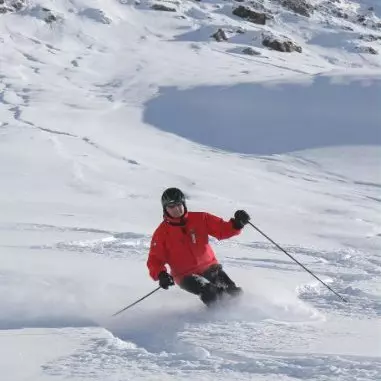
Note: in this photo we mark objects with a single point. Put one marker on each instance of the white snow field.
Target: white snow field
(104, 104)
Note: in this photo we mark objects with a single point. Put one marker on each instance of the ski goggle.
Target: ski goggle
(173, 204)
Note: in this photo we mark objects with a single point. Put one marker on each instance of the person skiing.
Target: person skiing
(181, 242)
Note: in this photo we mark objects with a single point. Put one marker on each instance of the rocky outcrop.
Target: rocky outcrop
(370, 37)
(220, 35)
(369, 21)
(251, 52)
(48, 16)
(250, 15)
(301, 7)
(364, 17)
(161, 7)
(36, 11)
(12, 5)
(367, 50)
(285, 45)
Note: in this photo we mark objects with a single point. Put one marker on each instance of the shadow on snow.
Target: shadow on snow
(263, 119)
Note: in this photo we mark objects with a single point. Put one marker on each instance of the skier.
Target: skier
(181, 241)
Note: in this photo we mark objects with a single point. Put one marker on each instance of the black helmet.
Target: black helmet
(172, 195)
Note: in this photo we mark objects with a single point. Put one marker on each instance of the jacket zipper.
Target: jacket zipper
(191, 241)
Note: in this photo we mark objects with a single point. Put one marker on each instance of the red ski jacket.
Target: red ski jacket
(185, 247)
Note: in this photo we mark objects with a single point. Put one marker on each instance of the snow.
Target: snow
(279, 122)
(113, 102)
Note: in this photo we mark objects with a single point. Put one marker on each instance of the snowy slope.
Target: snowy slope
(105, 104)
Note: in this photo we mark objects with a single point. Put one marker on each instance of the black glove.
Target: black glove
(165, 280)
(241, 218)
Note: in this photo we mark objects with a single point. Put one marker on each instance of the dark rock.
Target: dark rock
(370, 37)
(342, 15)
(286, 46)
(18, 5)
(369, 50)
(161, 7)
(250, 15)
(50, 18)
(301, 7)
(251, 52)
(361, 19)
(219, 36)
(12, 6)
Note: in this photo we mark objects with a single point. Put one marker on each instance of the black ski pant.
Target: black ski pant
(209, 285)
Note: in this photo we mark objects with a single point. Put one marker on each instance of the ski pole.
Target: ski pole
(136, 302)
(295, 260)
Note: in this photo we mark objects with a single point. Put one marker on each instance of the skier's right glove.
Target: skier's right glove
(241, 218)
(165, 280)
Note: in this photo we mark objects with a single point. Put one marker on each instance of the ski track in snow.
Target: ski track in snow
(109, 356)
(343, 269)
(246, 341)
(344, 264)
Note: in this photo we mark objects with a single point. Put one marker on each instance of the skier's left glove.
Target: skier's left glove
(165, 280)
(241, 218)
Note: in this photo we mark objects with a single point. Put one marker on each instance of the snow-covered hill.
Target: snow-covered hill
(104, 104)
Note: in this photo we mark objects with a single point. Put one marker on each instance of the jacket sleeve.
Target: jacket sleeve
(218, 228)
(157, 255)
